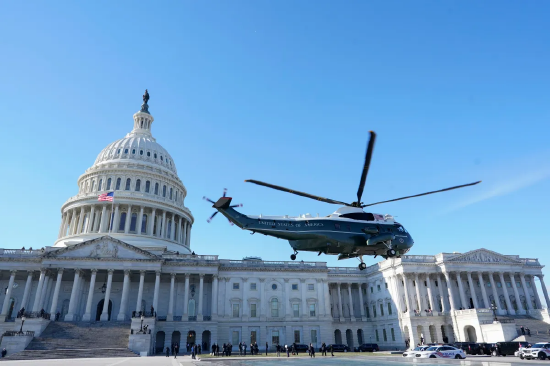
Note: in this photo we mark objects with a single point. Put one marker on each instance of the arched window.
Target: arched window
(122, 221)
(154, 225)
(138, 185)
(156, 188)
(176, 196)
(163, 191)
(99, 185)
(191, 307)
(133, 222)
(144, 224)
(93, 186)
(147, 186)
(171, 190)
(128, 182)
(274, 308)
(155, 155)
(108, 184)
(117, 184)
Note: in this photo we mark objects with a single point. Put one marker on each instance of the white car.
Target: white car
(413, 352)
(538, 350)
(442, 352)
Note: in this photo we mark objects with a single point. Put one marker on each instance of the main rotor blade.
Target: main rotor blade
(279, 188)
(424, 194)
(366, 166)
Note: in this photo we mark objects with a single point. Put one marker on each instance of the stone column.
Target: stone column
(327, 297)
(351, 312)
(495, 292)
(188, 236)
(88, 312)
(6, 304)
(544, 290)
(156, 292)
(53, 308)
(152, 223)
(397, 298)
(104, 219)
(215, 297)
(36, 304)
(184, 233)
(63, 221)
(407, 298)
(263, 302)
(340, 312)
(128, 220)
(362, 304)
(526, 292)
(140, 221)
(27, 292)
(140, 292)
(483, 291)
(430, 292)
(536, 293)
(170, 316)
(520, 310)
(418, 296)
(125, 292)
(90, 226)
(116, 221)
(105, 312)
(450, 291)
(444, 307)
(511, 310)
(73, 222)
(45, 291)
(71, 316)
(465, 304)
(163, 225)
(80, 220)
(186, 297)
(200, 302)
(472, 290)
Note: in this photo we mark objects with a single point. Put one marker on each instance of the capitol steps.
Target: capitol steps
(79, 340)
(540, 330)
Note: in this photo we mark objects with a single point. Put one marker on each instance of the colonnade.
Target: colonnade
(141, 220)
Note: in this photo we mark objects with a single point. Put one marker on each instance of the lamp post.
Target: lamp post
(494, 308)
(22, 322)
(141, 328)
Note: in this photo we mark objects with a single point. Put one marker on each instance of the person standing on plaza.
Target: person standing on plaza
(266, 346)
(167, 352)
(331, 350)
(278, 350)
(176, 349)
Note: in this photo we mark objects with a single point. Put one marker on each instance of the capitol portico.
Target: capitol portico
(117, 261)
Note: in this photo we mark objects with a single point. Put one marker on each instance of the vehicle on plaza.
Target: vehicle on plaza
(540, 351)
(507, 348)
(349, 232)
(367, 347)
(470, 348)
(414, 352)
(442, 352)
(301, 347)
(338, 348)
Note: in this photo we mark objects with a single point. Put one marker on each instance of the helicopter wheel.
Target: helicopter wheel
(391, 253)
(293, 257)
(362, 266)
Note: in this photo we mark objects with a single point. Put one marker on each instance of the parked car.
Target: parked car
(538, 350)
(367, 347)
(507, 348)
(442, 352)
(338, 348)
(301, 347)
(486, 348)
(470, 348)
(414, 352)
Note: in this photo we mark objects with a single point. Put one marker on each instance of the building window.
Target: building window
(144, 224)
(122, 221)
(296, 310)
(389, 309)
(117, 184)
(385, 336)
(147, 186)
(253, 286)
(386, 284)
(133, 151)
(133, 222)
(235, 337)
(275, 308)
(436, 285)
(126, 151)
(364, 291)
(252, 336)
(378, 287)
(310, 287)
(171, 191)
(377, 338)
(100, 185)
(295, 287)
(296, 336)
(148, 153)
(176, 196)
(235, 285)
(499, 285)
(311, 309)
(156, 189)
(371, 290)
(235, 310)
(93, 185)
(509, 284)
(488, 284)
(161, 158)
(252, 310)
(140, 152)
(374, 311)
(392, 334)
(381, 309)
(128, 181)
(164, 191)
(274, 338)
(155, 155)
(518, 284)
(314, 336)
(191, 307)
(138, 185)
(274, 286)
(367, 311)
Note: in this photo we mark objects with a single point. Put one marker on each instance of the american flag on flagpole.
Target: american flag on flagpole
(109, 196)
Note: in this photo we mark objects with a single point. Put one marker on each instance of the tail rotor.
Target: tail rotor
(213, 202)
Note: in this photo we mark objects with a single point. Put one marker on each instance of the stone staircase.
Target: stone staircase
(79, 340)
(540, 330)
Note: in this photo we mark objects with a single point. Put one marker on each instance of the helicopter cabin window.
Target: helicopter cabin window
(363, 216)
(337, 226)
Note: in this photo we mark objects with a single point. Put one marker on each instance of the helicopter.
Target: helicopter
(349, 232)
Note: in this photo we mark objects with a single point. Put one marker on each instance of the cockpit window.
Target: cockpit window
(364, 216)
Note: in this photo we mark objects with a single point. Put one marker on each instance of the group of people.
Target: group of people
(175, 350)
(525, 331)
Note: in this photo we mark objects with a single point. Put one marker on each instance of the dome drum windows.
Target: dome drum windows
(164, 191)
(126, 151)
(138, 185)
(140, 152)
(148, 154)
(122, 222)
(99, 186)
(147, 186)
(171, 191)
(133, 222)
(133, 151)
(156, 189)
(108, 184)
(117, 187)
(155, 155)
(128, 184)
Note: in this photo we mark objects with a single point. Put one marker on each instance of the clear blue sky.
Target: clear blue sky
(286, 92)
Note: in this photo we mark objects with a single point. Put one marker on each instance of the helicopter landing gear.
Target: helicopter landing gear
(362, 266)
(293, 256)
(391, 253)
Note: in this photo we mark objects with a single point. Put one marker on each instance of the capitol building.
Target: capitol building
(116, 261)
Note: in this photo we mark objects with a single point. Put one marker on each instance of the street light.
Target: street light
(494, 308)
(141, 329)
(22, 322)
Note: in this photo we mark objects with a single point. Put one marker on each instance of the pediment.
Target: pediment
(483, 256)
(103, 248)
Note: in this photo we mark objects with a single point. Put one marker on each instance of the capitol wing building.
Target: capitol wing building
(130, 262)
